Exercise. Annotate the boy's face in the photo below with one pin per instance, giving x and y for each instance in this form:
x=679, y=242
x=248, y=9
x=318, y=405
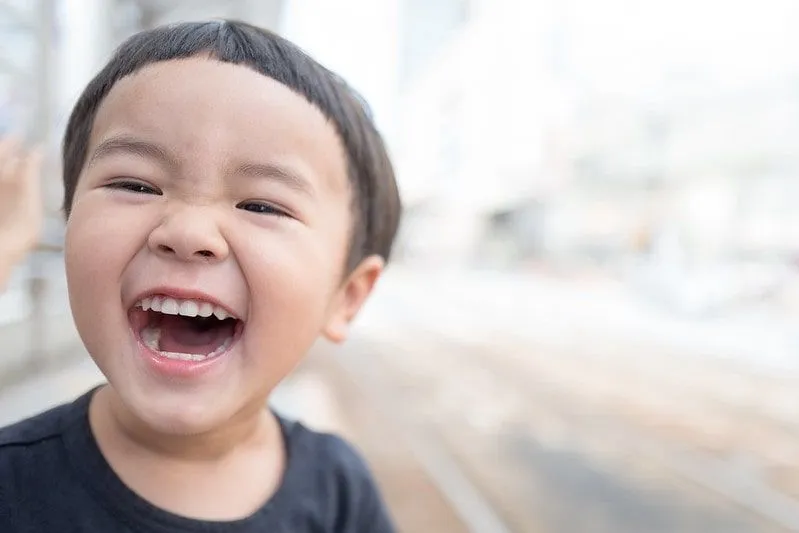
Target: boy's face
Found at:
x=208, y=184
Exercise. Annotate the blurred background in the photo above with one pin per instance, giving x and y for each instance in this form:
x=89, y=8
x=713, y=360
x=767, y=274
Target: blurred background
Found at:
x=590, y=322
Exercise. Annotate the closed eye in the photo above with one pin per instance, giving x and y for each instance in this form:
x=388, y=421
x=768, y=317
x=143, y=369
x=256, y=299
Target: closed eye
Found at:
x=263, y=208
x=134, y=187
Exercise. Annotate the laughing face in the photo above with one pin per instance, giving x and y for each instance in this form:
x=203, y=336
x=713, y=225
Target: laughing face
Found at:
x=207, y=241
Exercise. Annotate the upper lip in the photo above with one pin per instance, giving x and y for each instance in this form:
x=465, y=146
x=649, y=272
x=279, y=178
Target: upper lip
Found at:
x=187, y=294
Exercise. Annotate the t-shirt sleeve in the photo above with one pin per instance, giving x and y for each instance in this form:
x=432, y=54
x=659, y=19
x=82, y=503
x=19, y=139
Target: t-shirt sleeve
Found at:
x=373, y=516
x=361, y=508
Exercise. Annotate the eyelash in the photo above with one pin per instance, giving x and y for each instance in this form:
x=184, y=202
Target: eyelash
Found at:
x=262, y=208
x=253, y=207
x=134, y=187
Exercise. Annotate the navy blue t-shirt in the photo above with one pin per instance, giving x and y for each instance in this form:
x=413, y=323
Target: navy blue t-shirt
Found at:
x=54, y=478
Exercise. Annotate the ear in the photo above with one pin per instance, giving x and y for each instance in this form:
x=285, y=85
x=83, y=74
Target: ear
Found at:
x=351, y=296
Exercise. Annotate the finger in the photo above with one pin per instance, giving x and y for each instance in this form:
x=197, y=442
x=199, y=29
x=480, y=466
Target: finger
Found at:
x=8, y=146
x=31, y=168
x=10, y=153
x=31, y=184
x=10, y=167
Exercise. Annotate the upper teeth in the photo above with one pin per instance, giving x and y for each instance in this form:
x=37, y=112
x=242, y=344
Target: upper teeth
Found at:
x=192, y=308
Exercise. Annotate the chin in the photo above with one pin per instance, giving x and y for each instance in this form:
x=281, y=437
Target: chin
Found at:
x=180, y=421
x=174, y=413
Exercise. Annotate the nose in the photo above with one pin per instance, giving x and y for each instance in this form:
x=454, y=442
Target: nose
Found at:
x=189, y=234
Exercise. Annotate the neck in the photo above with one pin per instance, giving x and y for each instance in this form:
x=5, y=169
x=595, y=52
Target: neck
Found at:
x=224, y=474
x=246, y=429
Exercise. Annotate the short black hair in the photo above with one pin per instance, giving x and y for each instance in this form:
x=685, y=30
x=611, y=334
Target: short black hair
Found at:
x=376, y=202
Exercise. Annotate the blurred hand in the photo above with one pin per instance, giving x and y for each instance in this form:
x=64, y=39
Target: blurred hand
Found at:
x=21, y=209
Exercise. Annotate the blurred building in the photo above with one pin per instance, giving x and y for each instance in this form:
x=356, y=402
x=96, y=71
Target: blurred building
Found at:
x=581, y=130
x=482, y=126
x=701, y=146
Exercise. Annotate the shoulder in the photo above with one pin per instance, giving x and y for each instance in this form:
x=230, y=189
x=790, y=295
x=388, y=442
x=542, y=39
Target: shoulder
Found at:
x=34, y=439
x=340, y=475
x=326, y=451
x=31, y=454
x=36, y=429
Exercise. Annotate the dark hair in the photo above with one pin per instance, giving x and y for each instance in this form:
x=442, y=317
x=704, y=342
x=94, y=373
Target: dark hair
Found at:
x=376, y=202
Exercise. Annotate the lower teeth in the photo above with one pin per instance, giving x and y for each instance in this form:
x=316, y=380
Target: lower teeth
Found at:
x=152, y=339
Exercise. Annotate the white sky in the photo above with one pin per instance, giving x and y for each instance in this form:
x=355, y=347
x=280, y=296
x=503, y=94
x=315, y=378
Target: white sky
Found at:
x=623, y=42
x=621, y=45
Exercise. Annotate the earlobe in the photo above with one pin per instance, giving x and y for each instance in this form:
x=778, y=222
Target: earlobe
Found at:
x=351, y=297
x=337, y=331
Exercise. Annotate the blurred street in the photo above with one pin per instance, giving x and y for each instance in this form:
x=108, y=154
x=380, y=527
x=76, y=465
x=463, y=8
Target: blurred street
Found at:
x=543, y=395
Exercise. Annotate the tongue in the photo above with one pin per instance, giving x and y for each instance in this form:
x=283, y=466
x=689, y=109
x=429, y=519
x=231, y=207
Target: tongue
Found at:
x=188, y=335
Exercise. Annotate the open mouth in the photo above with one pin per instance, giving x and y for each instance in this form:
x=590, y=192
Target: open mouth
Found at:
x=188, y=330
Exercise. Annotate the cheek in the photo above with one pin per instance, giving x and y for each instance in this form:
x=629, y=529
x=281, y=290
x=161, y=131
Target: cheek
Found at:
x=290, y=283
x=99, y=244
x=292, y=278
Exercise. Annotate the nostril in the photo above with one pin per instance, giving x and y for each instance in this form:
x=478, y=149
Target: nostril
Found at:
x=186, y=253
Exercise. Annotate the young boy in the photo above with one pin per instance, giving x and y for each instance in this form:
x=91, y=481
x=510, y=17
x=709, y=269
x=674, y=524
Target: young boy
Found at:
x=228, y=200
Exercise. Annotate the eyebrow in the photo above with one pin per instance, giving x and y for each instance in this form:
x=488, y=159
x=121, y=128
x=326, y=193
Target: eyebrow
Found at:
x=277, y=173
x=131, y=145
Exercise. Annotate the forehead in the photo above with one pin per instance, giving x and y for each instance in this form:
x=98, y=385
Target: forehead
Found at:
x=215, y=111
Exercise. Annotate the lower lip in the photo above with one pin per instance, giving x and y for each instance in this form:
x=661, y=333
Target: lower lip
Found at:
x=180, y=368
